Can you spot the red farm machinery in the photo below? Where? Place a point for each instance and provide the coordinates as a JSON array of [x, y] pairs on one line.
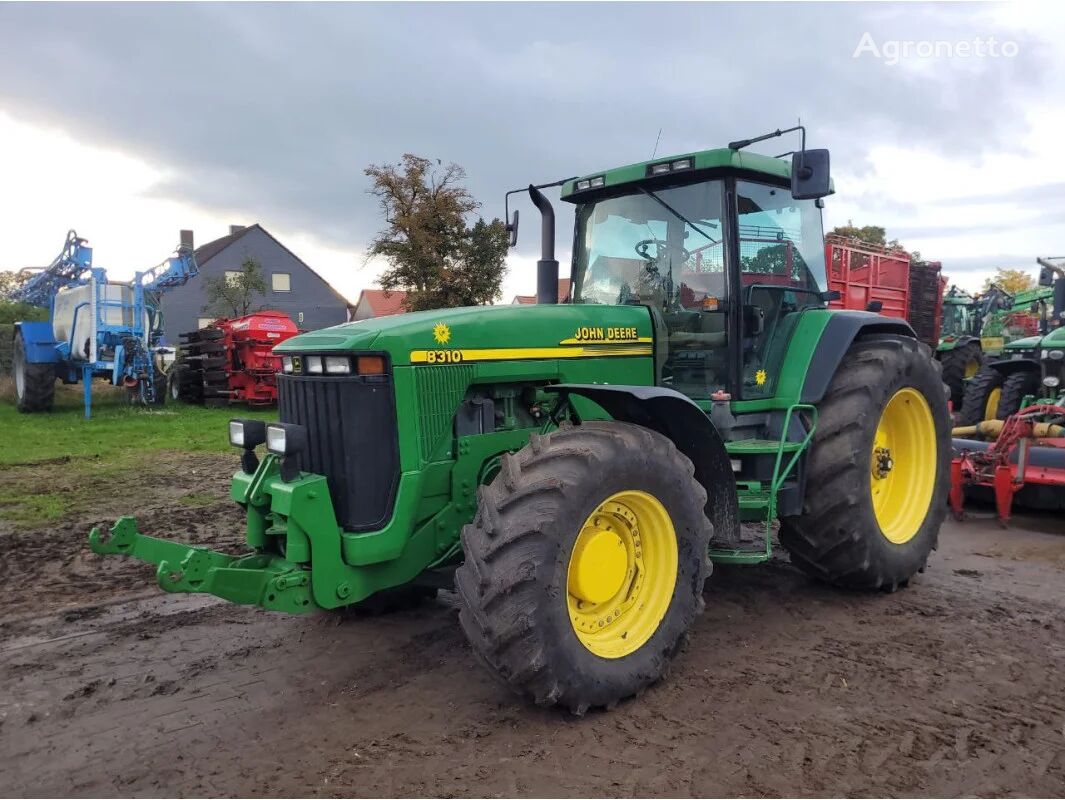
[[232, 361]]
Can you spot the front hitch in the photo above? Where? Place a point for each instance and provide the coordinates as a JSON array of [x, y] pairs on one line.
[[255, 579]]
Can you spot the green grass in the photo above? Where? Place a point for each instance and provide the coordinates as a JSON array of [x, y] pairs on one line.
[[116, 431], [57, 465]]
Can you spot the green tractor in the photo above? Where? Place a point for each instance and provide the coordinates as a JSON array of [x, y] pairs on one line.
[[1027, 367], [963, 343], [574, 470]]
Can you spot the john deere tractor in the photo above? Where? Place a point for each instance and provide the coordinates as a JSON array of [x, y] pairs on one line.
[[1029, 366], [964, 343], [575, 470]]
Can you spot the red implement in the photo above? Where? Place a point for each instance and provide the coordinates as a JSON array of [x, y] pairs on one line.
[[232, 360], [1018, 457]]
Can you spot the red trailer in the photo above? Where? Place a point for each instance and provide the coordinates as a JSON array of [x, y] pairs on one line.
[[875, 277], [232, 360]]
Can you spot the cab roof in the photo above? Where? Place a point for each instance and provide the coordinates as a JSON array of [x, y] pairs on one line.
[[678, 165]]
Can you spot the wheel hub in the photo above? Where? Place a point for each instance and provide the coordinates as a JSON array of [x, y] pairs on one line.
[[600, 564], [882, 462]]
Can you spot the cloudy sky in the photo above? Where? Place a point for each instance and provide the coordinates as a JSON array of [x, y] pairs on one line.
[[132, 121]]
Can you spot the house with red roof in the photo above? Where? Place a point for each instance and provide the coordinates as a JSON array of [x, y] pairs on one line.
[[376, 303], [564, 289]]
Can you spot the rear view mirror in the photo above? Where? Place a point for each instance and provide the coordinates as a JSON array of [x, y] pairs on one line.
[[876, 306], [753, 320], [512, 228], [1046, 276], [810, 175]]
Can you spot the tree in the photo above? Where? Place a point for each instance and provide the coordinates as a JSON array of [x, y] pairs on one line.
[[10, 281], [432, 254], [870, 234], [11, 311], [234, 295], [1010, 280], [873, 234]]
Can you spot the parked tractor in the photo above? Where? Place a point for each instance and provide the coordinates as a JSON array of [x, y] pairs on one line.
[[575, 470], [1028, 366], [97, 328], [232, 361]]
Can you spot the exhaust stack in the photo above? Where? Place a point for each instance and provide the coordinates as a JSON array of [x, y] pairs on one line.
[[547, 266]]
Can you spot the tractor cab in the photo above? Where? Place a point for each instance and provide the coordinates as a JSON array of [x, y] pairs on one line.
[[724, 248], [719, 249]]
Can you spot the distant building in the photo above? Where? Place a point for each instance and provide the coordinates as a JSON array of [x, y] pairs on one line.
[[377, 303], [564, 289], [291, 285]]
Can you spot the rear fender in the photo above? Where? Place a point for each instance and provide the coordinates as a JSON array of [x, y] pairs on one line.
[[676, 417], [836, 339]]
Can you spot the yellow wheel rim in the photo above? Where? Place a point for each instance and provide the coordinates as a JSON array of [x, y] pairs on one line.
[[903, 468], [622, 573], [972, 368], [991, 406]]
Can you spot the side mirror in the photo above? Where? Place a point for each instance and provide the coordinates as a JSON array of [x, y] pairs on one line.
[[876, 306], [512, 228], [753, 320], [810, 175], [1046, 276]]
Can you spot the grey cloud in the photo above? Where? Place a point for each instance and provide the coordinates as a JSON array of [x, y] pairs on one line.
[[276, 109]]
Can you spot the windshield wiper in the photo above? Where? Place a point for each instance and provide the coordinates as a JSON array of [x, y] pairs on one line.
[[678, 215]]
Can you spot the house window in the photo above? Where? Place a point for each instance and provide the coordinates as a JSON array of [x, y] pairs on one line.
[[281, 282], [203, 322], [232, 276]]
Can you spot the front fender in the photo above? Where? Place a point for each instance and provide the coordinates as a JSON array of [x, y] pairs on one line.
[[676, 417]]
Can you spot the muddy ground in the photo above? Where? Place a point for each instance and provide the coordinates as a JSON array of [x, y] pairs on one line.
[[955, 686]]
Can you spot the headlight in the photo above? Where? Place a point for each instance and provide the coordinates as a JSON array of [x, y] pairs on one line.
[[247, 433], [1051, 381], [285, 439], [313, 364], [286, 364], [338, 365], [1057, 355]]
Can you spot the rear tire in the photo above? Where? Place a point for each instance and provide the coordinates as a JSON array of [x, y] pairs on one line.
[[526, 587], [983, 394], [960, 364], [34, 383], [875, 400], [1014, 388]]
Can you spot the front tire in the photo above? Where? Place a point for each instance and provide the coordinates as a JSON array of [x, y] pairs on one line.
[[983, 394], [34, 383], [1014, 389], [877, 470], [585, 615]]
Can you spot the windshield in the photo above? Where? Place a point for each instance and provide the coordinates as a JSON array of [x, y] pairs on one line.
[[658, 248], [665, 248], [955, 319]]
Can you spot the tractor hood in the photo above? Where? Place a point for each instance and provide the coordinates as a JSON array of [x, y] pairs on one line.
[[489, 333], [1027, 343], [1056, 338]]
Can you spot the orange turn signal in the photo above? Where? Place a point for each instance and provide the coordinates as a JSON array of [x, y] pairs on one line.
[[370, 365]]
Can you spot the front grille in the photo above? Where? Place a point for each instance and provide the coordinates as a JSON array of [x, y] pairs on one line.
[[351, 440]]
